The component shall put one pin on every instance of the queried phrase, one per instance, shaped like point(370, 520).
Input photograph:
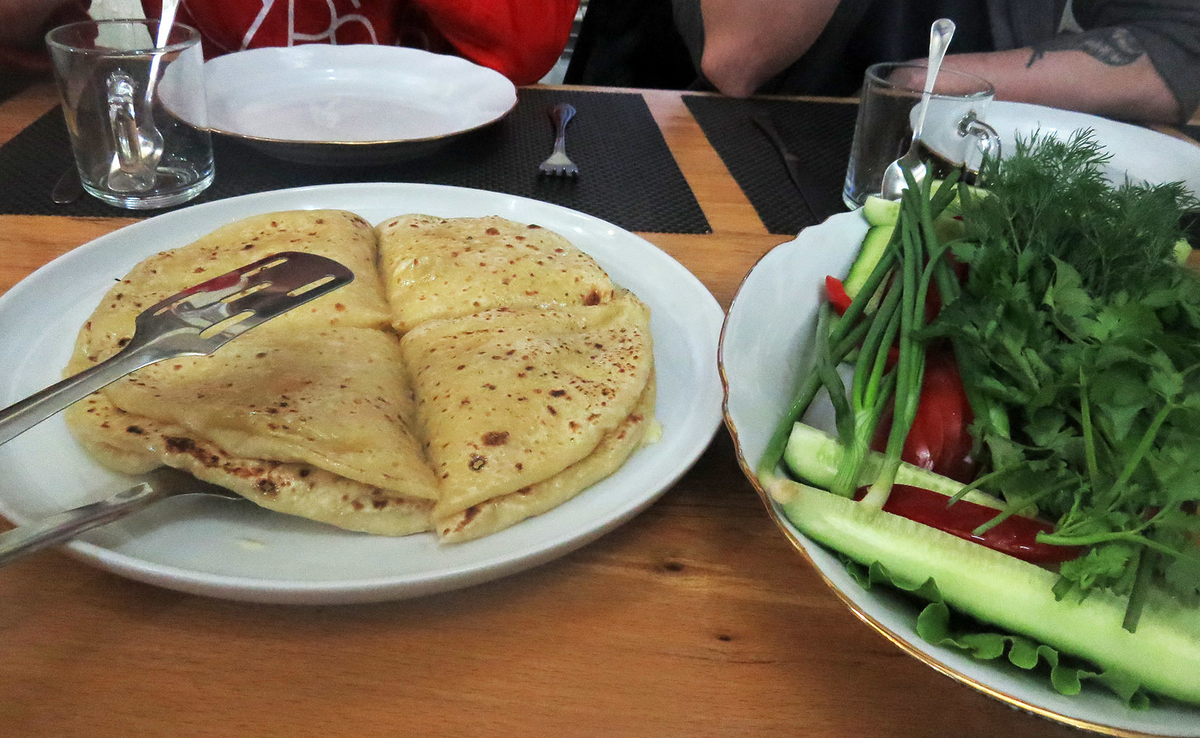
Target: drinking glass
point(135, 110)
point(954, 135)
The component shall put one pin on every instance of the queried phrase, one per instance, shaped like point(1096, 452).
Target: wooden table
point(696, 618)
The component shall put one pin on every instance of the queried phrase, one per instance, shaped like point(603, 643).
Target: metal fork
point(195, 322)
point(558, 165)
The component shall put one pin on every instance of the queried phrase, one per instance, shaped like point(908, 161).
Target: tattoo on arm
point(1116, 47)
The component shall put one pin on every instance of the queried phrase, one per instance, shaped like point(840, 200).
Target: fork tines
point(558, 165)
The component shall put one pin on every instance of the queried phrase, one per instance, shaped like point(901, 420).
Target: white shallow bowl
point(239, 551)
point(325, 104)
point(764, 345)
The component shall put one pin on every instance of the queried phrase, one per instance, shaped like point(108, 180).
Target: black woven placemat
point(819, 133)
point(627, 174)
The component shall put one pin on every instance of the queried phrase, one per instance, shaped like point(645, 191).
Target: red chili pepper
point(1016, 535)
point(835, 292)
point(940, 438)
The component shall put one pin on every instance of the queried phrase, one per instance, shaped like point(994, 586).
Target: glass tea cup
point(135, 110)
point(954, 134)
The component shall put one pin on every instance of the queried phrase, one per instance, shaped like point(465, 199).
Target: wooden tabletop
point(696, 618)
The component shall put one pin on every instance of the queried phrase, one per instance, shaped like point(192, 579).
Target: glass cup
point(954, 135)
point(135, 110)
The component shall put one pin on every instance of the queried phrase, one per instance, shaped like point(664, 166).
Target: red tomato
point(940, 438)
point(1015, 535)
point(835, 292)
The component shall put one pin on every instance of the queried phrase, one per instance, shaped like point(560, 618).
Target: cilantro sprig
point(1078, 338)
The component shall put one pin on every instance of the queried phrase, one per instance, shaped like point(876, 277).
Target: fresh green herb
point(1078, 335)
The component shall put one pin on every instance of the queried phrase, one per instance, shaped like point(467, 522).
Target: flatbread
point(503, 374)
point(501, 512)
point(508, 398)
point(322, 386)
point(336, 398)
point(339, 235)
point(451, 267)
point(135, 445)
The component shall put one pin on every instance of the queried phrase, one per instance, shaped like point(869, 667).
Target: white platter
point(320, 103)
point(1141, 154)
point(764, 345)
point(238, 551)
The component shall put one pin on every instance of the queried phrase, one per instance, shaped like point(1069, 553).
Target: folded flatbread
point(523, 376)
point(133, 444)
point(451, 267)
point(497, 513)
point(320, 387)
point(508, 398)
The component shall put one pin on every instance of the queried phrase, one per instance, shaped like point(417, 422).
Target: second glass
point(954, 135)
point(135, 110)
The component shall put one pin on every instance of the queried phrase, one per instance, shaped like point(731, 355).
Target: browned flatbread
point(320, 387)
point(508, 398)
point(132, 444)
point(500, 512)
point(524, 376)
point(451, 267)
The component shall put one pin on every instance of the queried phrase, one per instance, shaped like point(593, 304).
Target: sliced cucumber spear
point(1162, 655)
point(814, 456)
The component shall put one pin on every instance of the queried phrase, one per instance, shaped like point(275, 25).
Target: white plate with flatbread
point(239, 551)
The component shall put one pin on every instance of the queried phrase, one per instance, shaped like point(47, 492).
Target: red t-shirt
point(521, 39)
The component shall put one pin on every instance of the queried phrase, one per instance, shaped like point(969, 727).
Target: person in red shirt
point(521, 39)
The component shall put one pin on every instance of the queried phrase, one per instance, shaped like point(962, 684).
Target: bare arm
point(746, 42)
point(1104, 71)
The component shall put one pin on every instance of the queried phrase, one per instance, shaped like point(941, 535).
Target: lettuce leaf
point(940, 625)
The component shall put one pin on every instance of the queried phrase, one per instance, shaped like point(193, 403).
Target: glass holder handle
point(138, 147)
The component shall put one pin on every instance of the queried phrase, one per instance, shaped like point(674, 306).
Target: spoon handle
point(940, 34)
point(59, 528)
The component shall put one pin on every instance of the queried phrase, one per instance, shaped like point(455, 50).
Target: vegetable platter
point(1069, 385)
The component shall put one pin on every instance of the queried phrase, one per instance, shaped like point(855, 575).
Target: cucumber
point(881, 212)
point(815, 456)
point(948, 229)
point(869, 255)
point(1161, 655)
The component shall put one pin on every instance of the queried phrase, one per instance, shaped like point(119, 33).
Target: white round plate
point(764, 344)
point(239, 551)
point(321, 103)
point(1139, 153)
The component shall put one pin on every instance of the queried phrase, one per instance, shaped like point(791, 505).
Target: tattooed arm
point(1104, 71)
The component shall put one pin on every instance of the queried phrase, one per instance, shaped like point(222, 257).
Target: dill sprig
point(1080, 331)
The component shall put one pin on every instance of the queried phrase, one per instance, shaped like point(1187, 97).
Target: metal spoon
point(894, 184)
point(69, 188)
point(158, 484)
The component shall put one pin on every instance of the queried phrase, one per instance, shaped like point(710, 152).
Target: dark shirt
point(862, 32)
